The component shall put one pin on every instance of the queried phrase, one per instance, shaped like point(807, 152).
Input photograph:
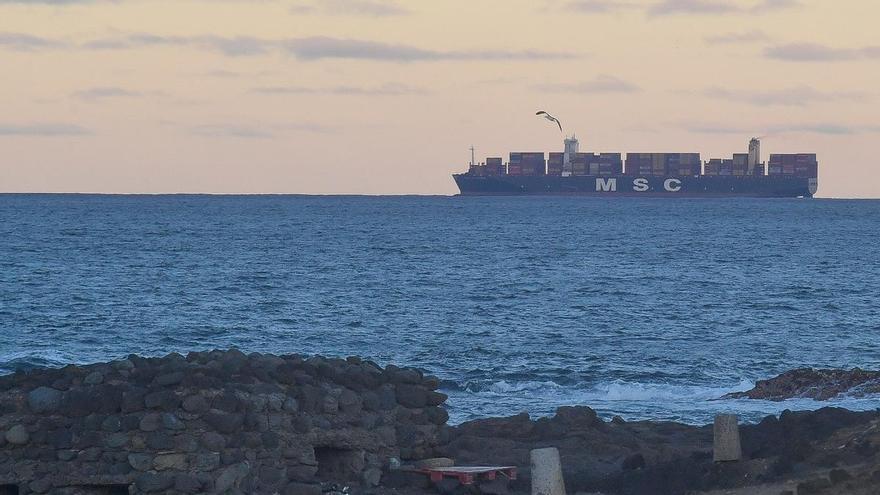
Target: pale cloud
point(44, 2)
point(317, 48)
point(822, 128)
point(671, 7)
point(714, 7)
point(93, 94)
point(753, 36)
point(599, 6)
point(231, 46)
point(253, 131)
point(321, 47)
point(27, 42)
point(795, 96)
point(813, 52)
point(370, 8)
point(231, 130)
point(383, 90)
point(43, 130)
point(601, 84)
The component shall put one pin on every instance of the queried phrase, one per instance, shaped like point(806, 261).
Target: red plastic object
point(466, 475)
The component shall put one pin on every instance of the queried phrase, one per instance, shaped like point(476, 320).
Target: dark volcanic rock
point(44, 400)
point(213, 422)
point(813, 384)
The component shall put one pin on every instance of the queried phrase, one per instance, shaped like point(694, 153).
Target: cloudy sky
point(375, 96)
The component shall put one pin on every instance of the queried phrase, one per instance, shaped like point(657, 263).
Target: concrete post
point(727, 443)
point(547, 472)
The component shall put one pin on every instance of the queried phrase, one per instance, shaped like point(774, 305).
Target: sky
point(386, 97)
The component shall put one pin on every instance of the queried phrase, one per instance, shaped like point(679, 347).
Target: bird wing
point(559, 124)
point(541, 113)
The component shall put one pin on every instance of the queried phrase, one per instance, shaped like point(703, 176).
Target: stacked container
point(610, 163)
point(515, 166)
point(689, 164)
point(579, 164)
point(740, 164)
point(794, 164)
point(555, 163)
point(494, 166)
point(713, 167)
point(533, 163)
point(639, 164)
point(663, 164)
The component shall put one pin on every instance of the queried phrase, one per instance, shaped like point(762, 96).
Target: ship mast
point(473, 160)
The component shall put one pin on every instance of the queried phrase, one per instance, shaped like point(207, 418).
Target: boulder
point(154, 482)
point(94, 378)
point(17, 435)
point(821, 384)
point(44, 400)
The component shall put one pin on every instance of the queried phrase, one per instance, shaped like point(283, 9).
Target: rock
point(111, 424)
point(150, 422)
point(187, 483)
point(60, 438)
point(123, 364)
point(66, 455)
point(436, 398)
point(41, 485)
point(436, 415)
point(839, 476)
point(133, 400)
point(171, 422)
point(166, 400)
point(196, 404)
point(822, 384)
point(330, 405)
point(302, 489)
point(90, 454)
point(164, 462)
point(814, 486)
point(169, 379)
point(141, 462)
point(214, 442)
point(44, 400)
point(205, 462)
point(230, 476)
point(291, 405)
point(633, 462)
point(224, 422)
point(116, 441)
point(154, 482)
point(17, 435)
point(411, 396)
point(371, 477)
point(228, 402)
point(94, 378)
point(302, 473)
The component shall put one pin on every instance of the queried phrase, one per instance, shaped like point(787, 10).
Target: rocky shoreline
point(226, 422)
point(807, 383)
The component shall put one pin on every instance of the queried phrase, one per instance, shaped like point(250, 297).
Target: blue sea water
point(646, 308)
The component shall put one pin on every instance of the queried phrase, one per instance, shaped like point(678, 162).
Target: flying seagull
point(550, 118)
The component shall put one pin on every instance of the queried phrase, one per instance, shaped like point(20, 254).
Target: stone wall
point(213, 422)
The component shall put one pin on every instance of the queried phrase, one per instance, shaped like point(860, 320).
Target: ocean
point(643, 308)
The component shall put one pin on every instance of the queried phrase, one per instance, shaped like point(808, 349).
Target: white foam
point(632, 400)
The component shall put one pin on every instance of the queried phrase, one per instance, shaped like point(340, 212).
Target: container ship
point(571, 172)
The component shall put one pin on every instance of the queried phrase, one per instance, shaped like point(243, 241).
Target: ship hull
point(637, 186)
